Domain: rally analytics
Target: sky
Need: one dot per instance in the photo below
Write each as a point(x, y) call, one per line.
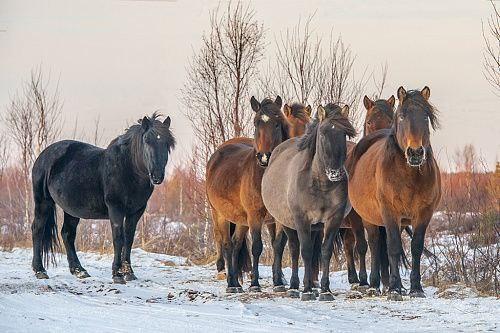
point(120, 60)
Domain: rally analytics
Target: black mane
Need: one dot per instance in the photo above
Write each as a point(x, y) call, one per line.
point(334, 116)
point(133, 139)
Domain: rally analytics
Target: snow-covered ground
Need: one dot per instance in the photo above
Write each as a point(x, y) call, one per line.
point(173, 296)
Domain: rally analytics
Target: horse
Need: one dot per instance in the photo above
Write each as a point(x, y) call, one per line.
point(298, 116)
point(233, 185)
point(379, 115)
point(89, 182)
point(304, 185)
point(395, 181)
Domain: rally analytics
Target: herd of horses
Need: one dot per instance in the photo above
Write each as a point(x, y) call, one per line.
point(299, 176)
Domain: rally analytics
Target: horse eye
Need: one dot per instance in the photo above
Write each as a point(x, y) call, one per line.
point(277, 125)
point(401, 117)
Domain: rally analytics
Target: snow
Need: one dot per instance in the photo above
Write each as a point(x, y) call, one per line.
point(173, 296)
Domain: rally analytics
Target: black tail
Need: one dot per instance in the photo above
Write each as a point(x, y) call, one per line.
point(50, 239)
point(317, 243)
point(427, 252)
point(338, 242)
point(244, 260)
point(383, 255)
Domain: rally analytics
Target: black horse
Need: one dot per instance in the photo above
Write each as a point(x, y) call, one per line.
point(94, 183)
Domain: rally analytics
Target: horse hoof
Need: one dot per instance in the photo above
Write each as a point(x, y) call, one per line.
point(363, 288)
point(130, 277)
point(326, 297)
point(309, 296)
point(234, 290)
point(394, 296)
point(80, 273)
point(372, 292)
point(118, 279)
point(279, 289)
point(315, 292)
point(417, 294)
point(254, 289)
point(220, 276)
point(354, 294)
point(293, 293)
point(41, 275)
point(354, 286)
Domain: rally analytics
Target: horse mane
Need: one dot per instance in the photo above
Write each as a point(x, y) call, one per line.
point(132, 138)
point(298, 111)
point(271, 109)
point(362, 146)
point(414, 99)
point(334, 117)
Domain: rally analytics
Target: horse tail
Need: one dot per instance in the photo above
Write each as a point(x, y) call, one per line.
point(316, 257)
point(44, 227)
point(244, 260)
point(383, 254)
point(338, 241)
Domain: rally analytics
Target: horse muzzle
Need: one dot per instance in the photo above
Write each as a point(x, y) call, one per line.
point(335, 175)
point(156, 179)
point(415, 157)
point(263, 159)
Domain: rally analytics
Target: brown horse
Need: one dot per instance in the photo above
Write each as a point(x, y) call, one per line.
point(379, 115)
point(298, 116)
point(233, 184)
point(395, 181)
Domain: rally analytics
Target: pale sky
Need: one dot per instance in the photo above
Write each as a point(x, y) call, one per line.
point(124, 59)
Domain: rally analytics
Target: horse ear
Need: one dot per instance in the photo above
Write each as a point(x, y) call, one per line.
point(278, 101)
point(368, 102)
point(345, 111)
point(426, 93)
point(167, 121)
point(308, 110)
point(145, 123)
point(321, 113)
point(391, 101)
point(255, 104)
point(287, 110)
point(401, 94)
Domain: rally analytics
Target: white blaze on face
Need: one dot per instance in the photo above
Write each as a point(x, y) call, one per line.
point(158, 136)
point(264, 158)
point(265, 118)
point(333, 126)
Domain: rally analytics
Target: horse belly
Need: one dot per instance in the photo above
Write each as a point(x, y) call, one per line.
point(79, 197)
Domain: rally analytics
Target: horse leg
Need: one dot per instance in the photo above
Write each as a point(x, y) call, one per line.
point(361, 247)
point(417, 247)
point(220, 264)
point(43, 210)
point(306, 251)
point(294, 245)
point(116, 217)
point(223, 228)
point(384, 259)
point(256, 232)
point(330, 230)
point(374, 244)
point(279, 243)
point(68, 233)
point(129, 231)
point(395, 252)
point(317, 237)
point(238, 238)
point(349, 241)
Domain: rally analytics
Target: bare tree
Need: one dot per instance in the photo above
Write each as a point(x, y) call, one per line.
point(379, 82)
point(220, 74)
point(4, 154)
point(491, 54)
point(306, 71)
point(33, 120)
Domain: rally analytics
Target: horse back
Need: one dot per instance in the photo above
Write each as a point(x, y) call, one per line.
point(68, 172)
